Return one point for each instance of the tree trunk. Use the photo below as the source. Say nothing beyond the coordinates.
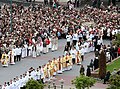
(102, 65)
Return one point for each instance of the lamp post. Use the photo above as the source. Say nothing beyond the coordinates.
(62, 83)
(52, 84)
(10, 15)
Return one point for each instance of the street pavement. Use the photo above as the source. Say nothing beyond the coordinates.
(20, 67)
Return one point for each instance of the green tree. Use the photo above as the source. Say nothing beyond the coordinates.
(33, 84)
(114, 82)
(82, 82)
(102, 65)
(116, 41)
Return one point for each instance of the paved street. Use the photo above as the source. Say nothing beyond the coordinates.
(19, 68)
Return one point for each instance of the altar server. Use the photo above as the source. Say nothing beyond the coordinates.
(73, 52)
(11, 57)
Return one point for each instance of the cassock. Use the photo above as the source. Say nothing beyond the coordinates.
(44, 47)
(34, 50)
(88, 73)
(96, 63)
(29, 50)
(59, 65)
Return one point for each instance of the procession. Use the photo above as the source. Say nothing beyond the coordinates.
(37, 31)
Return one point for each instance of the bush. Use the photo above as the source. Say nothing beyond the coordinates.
(33, 84)
(117, 40)
(82, 82)
(114, 82)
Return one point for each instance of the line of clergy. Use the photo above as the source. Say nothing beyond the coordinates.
(16, 53)
(45, 72)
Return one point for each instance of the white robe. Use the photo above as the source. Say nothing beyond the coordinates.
(11, 53)
(73, 53)
(11, 86)
(14, 85)
(56, 43)
(3, 87)
(33, 75)
(26, 47)
(17, 84)
(23, 82)
(20, 83)
(77, 45)
(38, 49)
(42, 74)
(86, 47)
(34, 52)
(53, 44)
(23, 52)
(37, 75)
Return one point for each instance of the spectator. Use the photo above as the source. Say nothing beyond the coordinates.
(82, 70)
(88, 73)
(118, 51)
(107, 77)
(96, 63)
(114, 72)
(91, 64)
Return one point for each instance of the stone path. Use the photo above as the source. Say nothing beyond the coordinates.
(10, 72)
(19, 68)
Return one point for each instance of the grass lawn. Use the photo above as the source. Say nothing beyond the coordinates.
(114, 65)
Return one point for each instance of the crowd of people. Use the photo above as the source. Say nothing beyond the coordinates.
(37, 28)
